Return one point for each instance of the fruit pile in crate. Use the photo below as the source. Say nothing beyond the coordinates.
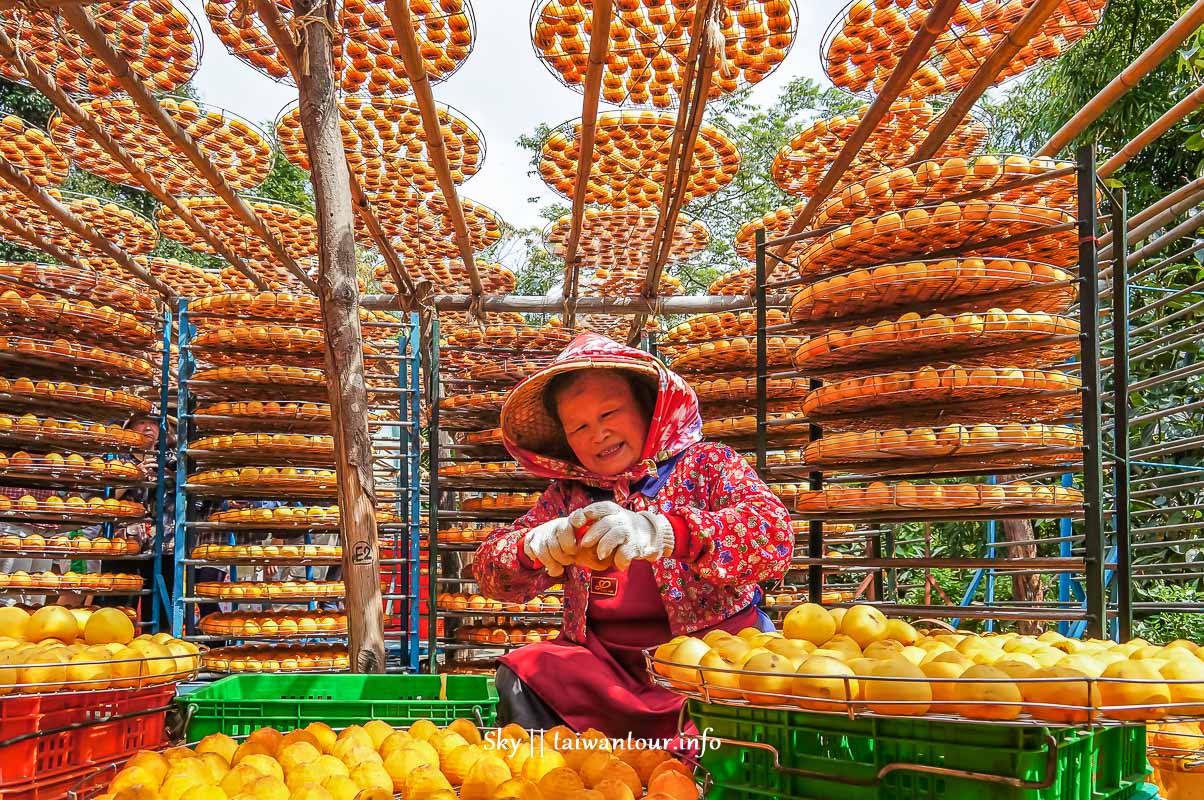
(858, 661)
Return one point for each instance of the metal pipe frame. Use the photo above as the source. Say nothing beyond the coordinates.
(1120, 419)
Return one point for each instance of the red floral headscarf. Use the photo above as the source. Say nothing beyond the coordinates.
(676, 423)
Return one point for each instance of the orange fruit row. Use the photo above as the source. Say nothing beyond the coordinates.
(525, 338)
(277, 442)
(294, 228)
(422, 225)
(285, 515)
(462, 601)
(35, 427)
(121, 291)
(58, 464)
(267, 624)
(185, 279)
(272, 373)
(36, 312)
(516, 501)
(883, 497)
(498, 468)
(277, 590)
(68, 353)
(930, 283)
(31, 151)
(733, 389)
(718, 326)
(262, 658)
(951, 440)
(738, 354)
(448, 271)
(123, 226)
(298, 478)
(72, 504)
(512, 634)
(78, 393)
(102, 582)
(240, 551)
(35, 542)
(928, 182)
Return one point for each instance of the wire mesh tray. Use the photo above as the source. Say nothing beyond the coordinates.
(70, 433)
(519, 501)
(513, 635)
(266, 478)
(54, 468)
(114, 583)
(1007, 339)
(743, 390)
(1044, 234)
(738, 283)
(781, 427)
(36, 545)
(927, 183)
(289, 517)
(39, 316)
(274, 624)
(465, 602)
(266, 658)
(984, 394)
(69, 509)
(948, 285)
(952, 440)
(989, 500)
(269, 411)
(64, 280)
(526, 339)
(64, 355)
(288, 306)
(268, 339)
(504, 370)
(488, 475)
(269, 591)
(278, 446)
(711, 327)
(299, 555)
(735, 355)
(75, 399)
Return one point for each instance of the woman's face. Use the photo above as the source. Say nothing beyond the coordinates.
(602, 421)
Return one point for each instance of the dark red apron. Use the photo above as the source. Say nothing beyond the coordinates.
(604, 682)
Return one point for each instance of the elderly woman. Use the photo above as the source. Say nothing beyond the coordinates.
(688, 525)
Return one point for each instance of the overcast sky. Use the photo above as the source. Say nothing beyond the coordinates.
(502, 87)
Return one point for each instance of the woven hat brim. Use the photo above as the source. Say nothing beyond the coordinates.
(527, 424)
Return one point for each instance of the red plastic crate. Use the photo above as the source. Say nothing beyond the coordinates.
(99, 741)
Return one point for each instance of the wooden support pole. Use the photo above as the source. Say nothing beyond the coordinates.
(43, 82)
(1170, 119)
(398, 12)
(917, 52)
(83, 24)
(21, 182)
(273, 22)
(1130, 76)
(338, 294)
(599, 44)
(984, 77)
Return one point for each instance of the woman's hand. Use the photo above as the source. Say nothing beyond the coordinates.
(630, 535)
(553, 544)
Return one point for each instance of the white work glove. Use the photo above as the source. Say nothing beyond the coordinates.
(630, 535)
(552, 544)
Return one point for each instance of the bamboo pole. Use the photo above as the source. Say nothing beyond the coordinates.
(1130, 76)
(934, 25)
(338, 294)
(695, 84)
(1189, 226)
(398, 12)
(1170, 119)
(599, 44)
(269, 15)
(42, 199)
(82, 22)
(43, 82)
(984, 77)
(1158, 214)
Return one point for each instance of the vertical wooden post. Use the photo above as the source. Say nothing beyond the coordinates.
(339, 297)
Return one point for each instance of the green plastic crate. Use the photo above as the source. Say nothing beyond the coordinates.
(1105, 764)
(241, 703)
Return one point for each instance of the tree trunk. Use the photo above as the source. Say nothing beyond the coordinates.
(1025, 588)
(339, 296)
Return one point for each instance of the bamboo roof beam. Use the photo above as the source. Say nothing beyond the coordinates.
(398, 12)
(1130, 76)
(934, 25)
(1158, 214)
(549, 304)
(45, 83)
(21, 182)
(1170, 119)
(269, 15)
(696, 81)
(599, 44)
(81, 21)
(984, 77)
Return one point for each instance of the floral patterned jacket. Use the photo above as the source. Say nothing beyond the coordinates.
(737, 531)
